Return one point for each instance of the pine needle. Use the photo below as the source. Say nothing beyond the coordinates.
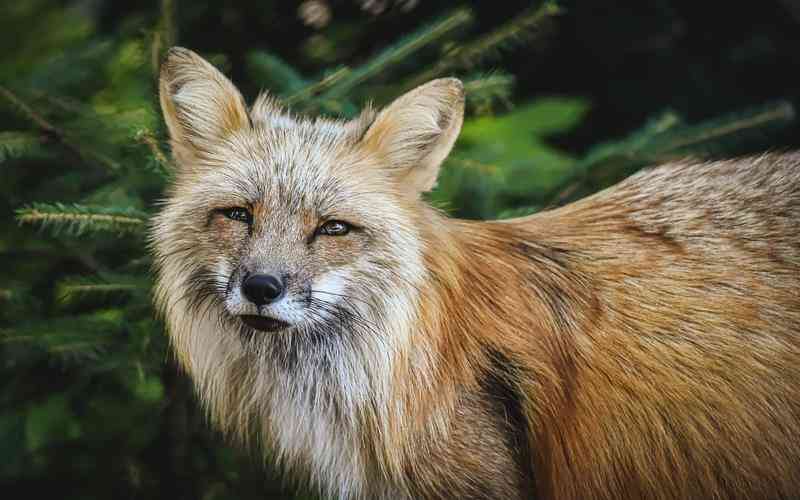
(76, 220)
(37, 119)
(483, 91)
(662, 140)
(399, 52)
(159, 162)
(73, 338)
(754, 119)
(15, 145)
(316, 88)
(522, 27)
(77, 289)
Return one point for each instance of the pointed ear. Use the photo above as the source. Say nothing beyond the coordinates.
(200, 105)
(415, 133)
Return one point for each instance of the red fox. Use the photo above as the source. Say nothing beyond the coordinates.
(643, 342)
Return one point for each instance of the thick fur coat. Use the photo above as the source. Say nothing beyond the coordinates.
(641, 343)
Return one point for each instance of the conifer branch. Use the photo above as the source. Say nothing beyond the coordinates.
(56, 133)
(15, 145)
(76, 220)
(316, 88)
(273, 73)
(161, 163)
(29, 113)
(68, 338)
(76, 288)
(165, 34)
(62, 103)
(483, 90)
(469, 55)
(661, 140)
(776, 113)
(399, 52)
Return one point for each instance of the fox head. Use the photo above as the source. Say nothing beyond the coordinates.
(289, 242)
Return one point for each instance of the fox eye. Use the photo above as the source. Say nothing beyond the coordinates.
(334, 228)
(238, 214)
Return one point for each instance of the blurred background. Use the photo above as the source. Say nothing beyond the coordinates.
(563, 99)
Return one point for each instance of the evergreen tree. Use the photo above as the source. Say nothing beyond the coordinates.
(92, 401)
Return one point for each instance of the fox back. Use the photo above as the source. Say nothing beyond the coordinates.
(641, 343)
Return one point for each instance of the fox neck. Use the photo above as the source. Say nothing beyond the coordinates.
(487, 292)
(491, 293)
(497, 289)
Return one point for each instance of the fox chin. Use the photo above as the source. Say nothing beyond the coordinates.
(641, 343)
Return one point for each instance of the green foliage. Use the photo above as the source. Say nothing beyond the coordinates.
(92, 400)
(504, 161)
(271, 72)
(74, 290)
(67, 338)
(484, 90)
(330, 93)
(664, 138)
(16, 145)
(521, 27)
(77, 220)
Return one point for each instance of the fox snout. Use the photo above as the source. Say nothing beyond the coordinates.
(265, 299)
(261, 289)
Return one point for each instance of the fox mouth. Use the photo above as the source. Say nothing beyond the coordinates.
(263, 323)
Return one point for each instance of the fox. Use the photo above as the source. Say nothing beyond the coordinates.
(642, 342)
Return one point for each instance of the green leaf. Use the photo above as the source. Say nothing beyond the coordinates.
(542, 117)
(517, 140)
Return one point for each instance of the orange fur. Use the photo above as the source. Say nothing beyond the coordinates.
(652, 331)
(641, 343)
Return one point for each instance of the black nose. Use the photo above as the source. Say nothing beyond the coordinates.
(263, 289)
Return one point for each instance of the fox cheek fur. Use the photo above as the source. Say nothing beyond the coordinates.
(640, 343)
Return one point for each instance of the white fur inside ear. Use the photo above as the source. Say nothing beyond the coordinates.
(200, 105)
(199, 109)
(416, 132)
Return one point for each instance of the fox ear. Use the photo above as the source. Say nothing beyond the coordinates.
(200, 105)
(415, 133)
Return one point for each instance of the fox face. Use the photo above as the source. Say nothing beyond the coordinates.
(295, 225)
(283, 223)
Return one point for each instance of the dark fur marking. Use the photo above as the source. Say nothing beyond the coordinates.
(659, 234)
(541, 253)
(496, 385)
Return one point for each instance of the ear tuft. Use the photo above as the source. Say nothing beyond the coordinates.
(265, 109)
(358, 127)
(416, 132)
(200, 105)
